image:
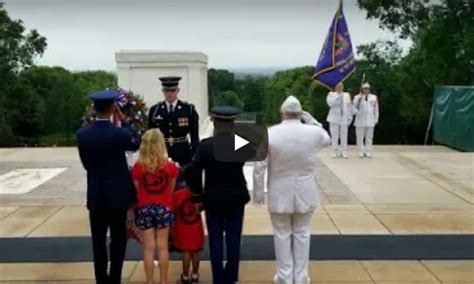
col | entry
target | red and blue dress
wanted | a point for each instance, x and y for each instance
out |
(155, 196)
(187, 230)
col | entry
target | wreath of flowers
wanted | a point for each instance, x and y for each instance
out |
(129, 108)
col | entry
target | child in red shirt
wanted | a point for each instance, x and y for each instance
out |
(154, 177)
(187, 231)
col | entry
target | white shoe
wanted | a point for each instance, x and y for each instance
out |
(335, 155)
(344, 155)
(361, 155)
(368, 155)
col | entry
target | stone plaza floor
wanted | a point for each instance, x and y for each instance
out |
(404, 196)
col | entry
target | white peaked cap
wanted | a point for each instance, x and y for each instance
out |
(291, 104)
(366, 85)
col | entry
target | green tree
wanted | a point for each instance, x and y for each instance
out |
(228, 98)
(64, 95)
(44, 82)
(299, 83)
(43, 78)
(64, 106)
(24, 111)
(90, 81)
(218, 81)
(442, 33)
(18, 48)
(402, 16)
(250, 91)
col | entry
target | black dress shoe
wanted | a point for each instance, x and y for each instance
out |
(195, 278)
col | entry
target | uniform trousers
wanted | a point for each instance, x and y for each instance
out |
(367, 134)
(338, 133)
(225, 225)
(101, 220)
(292, 234)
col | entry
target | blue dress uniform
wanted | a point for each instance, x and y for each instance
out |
(180, 125)
(224, 197)
(110, 189)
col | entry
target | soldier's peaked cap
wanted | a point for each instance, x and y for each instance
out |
(224, 112)
(105, 95)
(170, 82)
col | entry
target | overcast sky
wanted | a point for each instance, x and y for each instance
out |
(233, 33)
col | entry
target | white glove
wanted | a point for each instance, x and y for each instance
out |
(309, 119)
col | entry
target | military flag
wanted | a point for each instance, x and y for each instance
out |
(336, 61)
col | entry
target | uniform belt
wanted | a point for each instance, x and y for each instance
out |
(175, 140)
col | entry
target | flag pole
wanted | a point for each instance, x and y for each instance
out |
(360, 89)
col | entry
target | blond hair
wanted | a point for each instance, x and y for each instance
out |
(153, 154)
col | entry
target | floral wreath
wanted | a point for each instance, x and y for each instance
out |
(129, 108)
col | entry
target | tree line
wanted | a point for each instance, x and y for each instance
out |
(442, 53)
(44, 105)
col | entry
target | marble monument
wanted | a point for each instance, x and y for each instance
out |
(138, 71)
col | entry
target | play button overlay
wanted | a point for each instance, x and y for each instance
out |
(240, 142)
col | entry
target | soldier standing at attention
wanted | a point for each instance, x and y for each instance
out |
(366, 111)
(177, 120)
(223, 197)
(339, 117)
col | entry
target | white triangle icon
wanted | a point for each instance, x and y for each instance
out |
(239, 142)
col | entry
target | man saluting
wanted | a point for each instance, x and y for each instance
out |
(177, 120)
(110, 190)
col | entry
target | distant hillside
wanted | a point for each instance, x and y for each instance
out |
(267, 72)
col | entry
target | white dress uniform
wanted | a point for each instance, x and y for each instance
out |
(339, 117)
(366, 111)
(292, 192)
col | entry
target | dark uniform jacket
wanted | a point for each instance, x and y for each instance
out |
(225, 186)
(102, 149)
(175, 127)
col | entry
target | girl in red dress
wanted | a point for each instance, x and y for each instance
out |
(154, 177)
(188, 231)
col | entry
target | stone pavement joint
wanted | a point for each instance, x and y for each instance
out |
(449, 184)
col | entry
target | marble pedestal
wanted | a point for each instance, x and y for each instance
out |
(139, 70)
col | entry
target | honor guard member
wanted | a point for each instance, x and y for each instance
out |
(223, 197)
(366, 111)
(110, 190)
(177, 120)
(339, 117)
